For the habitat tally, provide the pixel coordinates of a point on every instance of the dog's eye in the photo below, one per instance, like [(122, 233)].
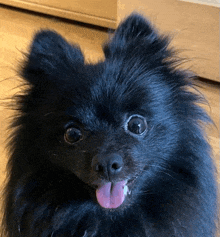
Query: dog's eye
[(72, 135), (137, 124)]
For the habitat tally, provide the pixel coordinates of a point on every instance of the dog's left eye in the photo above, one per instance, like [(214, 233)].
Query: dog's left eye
[(72, 135), (136, 124)]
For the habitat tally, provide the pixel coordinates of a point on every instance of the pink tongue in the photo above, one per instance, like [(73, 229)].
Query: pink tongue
[(111, 197)]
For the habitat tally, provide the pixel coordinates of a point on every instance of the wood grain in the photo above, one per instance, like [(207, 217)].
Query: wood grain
[(102, 13)]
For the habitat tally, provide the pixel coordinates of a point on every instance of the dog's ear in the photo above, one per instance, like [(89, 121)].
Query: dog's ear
[(134, 32), (132, 27), (51, 58)]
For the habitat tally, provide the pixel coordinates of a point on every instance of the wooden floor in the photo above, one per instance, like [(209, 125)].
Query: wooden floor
[(16, 31)]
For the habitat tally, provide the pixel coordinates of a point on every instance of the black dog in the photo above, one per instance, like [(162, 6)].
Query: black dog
[(114, 149)]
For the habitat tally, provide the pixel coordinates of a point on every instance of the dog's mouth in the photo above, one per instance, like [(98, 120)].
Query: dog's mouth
[(112, 195)]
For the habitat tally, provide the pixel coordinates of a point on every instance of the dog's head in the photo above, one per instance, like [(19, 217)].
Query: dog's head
[(111, 123)]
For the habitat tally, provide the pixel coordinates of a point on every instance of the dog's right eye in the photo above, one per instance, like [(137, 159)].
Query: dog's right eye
[(72, 135), (136, 124)]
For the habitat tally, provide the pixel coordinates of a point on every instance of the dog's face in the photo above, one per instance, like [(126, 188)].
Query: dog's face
[(110, 124)]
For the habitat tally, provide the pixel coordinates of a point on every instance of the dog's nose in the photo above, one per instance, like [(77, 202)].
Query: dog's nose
[(108, 166)]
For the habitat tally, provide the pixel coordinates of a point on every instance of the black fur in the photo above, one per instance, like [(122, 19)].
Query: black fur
[(52, 181)]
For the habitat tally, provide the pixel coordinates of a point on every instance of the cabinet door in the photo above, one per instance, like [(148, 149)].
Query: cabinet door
[(98, 12)]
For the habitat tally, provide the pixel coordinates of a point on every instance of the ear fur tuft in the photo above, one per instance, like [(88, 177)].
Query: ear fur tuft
[(50, 55)]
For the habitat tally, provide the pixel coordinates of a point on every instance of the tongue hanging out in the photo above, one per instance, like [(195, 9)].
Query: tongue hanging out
[(111, 195)]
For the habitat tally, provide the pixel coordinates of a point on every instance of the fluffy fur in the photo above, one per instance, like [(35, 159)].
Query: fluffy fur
[(129, 121)]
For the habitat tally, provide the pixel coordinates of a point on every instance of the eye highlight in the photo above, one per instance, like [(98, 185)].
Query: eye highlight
[(72, 135), (136, 124)]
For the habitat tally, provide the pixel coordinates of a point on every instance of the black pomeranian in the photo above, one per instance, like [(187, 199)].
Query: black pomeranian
[(113, 149)]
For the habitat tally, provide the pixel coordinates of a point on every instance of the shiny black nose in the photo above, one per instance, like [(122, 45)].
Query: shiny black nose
[(108, 166)]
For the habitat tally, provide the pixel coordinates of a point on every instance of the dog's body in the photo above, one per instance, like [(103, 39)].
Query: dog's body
[(114, 149)]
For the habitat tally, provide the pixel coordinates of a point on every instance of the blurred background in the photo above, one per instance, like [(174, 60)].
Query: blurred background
[(193, 25)]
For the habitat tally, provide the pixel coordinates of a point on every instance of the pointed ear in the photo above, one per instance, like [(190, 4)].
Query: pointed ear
[(51, 57), (135, 31)]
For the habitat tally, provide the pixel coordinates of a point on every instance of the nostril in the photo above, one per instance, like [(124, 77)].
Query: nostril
[(116, 166), (99, 168)]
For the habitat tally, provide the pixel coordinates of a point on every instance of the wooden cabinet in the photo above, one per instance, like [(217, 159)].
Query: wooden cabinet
[(194, 27), (97, 12)]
